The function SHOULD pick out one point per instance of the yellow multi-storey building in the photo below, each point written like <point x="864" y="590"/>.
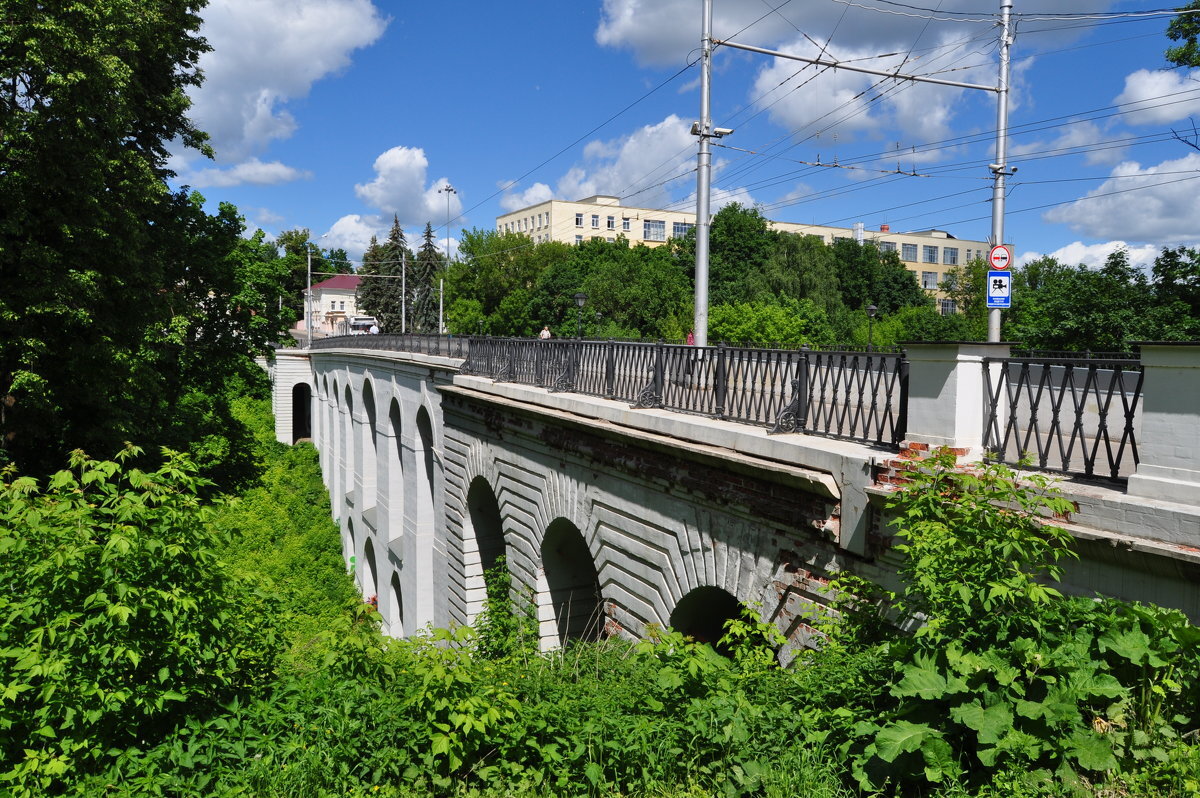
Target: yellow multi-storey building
<point x="928" y="254"/>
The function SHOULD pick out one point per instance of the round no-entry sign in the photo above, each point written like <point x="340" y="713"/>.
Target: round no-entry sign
<point x="999" y="257"/>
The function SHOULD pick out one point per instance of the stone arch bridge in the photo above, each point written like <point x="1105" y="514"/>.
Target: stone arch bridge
<point x="615" y="517"/>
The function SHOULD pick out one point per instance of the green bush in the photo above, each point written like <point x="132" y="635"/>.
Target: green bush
<point x="119" y="618"/>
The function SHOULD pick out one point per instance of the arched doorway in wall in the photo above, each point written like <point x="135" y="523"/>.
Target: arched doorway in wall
<point x="368" y="448"/>
<point x="395" y="476"/>
<point x="349" y="453"/>
<point x="370" y="578"/>
<point x="702" y="613"/>
<point x="426" y="469"/>
<point x="571" y="591"/>
<point x="348" y="544"/>
<point x="302" y="402"/>
<point x="393" y="619"/>
<point x="483" y="543"/>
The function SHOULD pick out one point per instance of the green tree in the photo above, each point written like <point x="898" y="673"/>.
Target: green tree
<point x="1185" y="28"/>
<point x="869" y="276"/>
<point x="94" y="92"/>
<point x="422" y="284"/>
<point x="381" y="293"/>
<point x="788" y="322"/>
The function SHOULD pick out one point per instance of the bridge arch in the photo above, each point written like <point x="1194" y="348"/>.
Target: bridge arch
<point x="302" y="407"/>
<point x="568" y="590"/>
<point x="702" y="612"/>
<point x="395" y="473"/>
<point x="483" y="543"/>
<point x="368" y="444"/>
<point x="393" y="611"/>
<point x="370" y="571"/>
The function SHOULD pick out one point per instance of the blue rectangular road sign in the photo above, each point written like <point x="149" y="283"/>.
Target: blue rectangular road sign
<point x="999" y="289"/>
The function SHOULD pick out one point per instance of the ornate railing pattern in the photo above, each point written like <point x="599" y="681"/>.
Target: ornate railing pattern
<point x="1067" y="415"/>
<point x="440" y="345"/>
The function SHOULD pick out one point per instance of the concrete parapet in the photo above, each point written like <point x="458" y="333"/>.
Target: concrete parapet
<point x="1170" y="430"/>
<point x="946" y="395"/>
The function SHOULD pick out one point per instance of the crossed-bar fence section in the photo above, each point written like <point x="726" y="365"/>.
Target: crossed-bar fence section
<point x="853" y="395"/>
<point x="1072" y="415"/>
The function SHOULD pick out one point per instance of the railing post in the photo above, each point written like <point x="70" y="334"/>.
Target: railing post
<point x="720" y="383"/>
<point x="659" y="370"/>
<point x="902" y="419"/>
<point x="1170" y="431"/>
<point x="610" y="369"/>
<point x="802" y="389"/>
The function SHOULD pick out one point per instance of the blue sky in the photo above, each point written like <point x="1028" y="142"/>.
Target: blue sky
<point x="336" y="114"/>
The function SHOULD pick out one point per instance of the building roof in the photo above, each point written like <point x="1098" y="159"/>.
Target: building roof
<point x="339" y="282"/>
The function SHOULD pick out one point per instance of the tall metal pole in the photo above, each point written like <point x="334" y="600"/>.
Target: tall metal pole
<point x="449" y="189"/>
<point x="308" y="314"/>
<point x="403" y="292"/>
<point x="703" y="179"/>
<point x="1000" y="168"/>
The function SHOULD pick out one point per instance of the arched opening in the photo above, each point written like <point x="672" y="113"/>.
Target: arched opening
<point x="348" y="544"/>
<point x="572" y="587"/>
<point x="394" y="617"/>
<point x="301" y="412"/>
<point x="370" y="582"/>
<point x="349" y="453"/>
<point x="395" y="477"/>
<point x="370" y="453"/>
<point x="483" y="543"/>
<point x="702" y="613"/>
<point x="425" y="465"/>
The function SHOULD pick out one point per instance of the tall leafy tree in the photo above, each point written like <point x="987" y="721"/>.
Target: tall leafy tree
<point x="114" y="290"/>
<point x="1185" y="28"/>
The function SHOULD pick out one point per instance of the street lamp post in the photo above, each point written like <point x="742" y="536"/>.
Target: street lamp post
<point x="580" y="301"/>
<point x="448" y="190"/>
<point x="308" y="314"/>
<point x="871" y="311"/>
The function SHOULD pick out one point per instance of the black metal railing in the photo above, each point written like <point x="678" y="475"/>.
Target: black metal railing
<point x="852" y="395"/>
<point x="1074" y="415"/>
<point x="439" y="345"/>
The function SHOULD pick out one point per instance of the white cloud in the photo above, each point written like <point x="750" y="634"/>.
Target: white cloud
<point x="400" y="188"/>
<point x="1082" y="135"/>
<point x="265" y="53"/>
<point x="1160" y="97"/>
<point x="1157" y="204"/>
<point x="252" y="171"/>
<point x="640" y="167"/>
<point x="1094" y="255"/>
<point x="353" y="234"/>
<point x="535" y="194"/>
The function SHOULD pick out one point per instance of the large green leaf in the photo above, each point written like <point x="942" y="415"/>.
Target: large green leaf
<point x="990" y="723"/>
<point x="902" y="737"/>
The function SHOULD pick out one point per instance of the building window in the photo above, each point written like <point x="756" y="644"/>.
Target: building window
<point x="950" y="282"/>
<point x="948" y="307"/>
<point x="612" y="223"/>
<point x="596" y="221"/>
<point x="625" y="223"/>
<point x="929" y="281"/>
<point x="950" y="256"/>
<point x="908" y="252"/>
<point x="929" y="254"/>
<point x="579" y="220"/>
<point x="887" y="246"/>
<point x="654" y="230"/>
<point x="578" y="239"/>
<point x="342" y="305"/>
<point x="680" y="229"/>
<point x="611" y="240"/>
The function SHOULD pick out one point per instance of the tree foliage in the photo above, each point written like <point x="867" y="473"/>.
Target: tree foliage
<point x="385" y="271"/>
<point x="119" y="298"/>
<point x="120" y="621"/>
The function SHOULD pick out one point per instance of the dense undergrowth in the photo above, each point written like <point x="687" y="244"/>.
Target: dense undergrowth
<point x="154" y="647"/>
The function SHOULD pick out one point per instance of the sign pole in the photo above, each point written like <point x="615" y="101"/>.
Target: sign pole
<point x="1000" y="168"/>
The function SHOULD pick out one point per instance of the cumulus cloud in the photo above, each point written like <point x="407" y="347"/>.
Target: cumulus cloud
<point x="535" y="194"/>
<point x="641" y="167"/>
<point x="1156" y="97"/>
<point x="1078" y="137"/>
<point x="1158" y="204"/>
<point x="266" y="53"/>
<point x="353" y="233"/>
<point x="252" y="171"/>
<point x="1094" y="255"/>
<point x="400" y="188"/>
